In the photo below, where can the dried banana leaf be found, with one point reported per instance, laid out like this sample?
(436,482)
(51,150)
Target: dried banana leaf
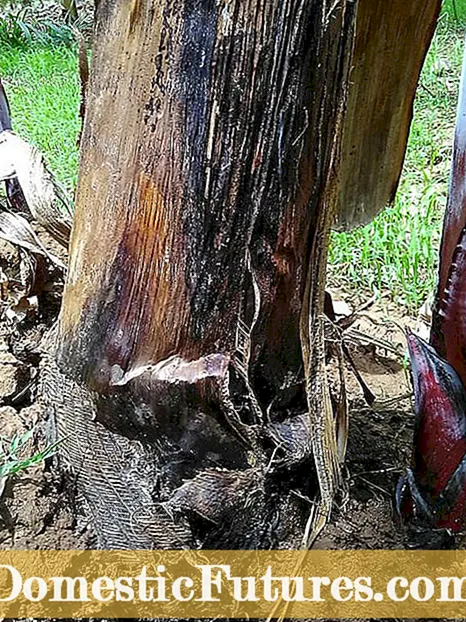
(46,199)
(18,231)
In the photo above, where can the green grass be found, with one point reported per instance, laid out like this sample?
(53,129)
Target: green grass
(455,10)
(42,84)
(397,253)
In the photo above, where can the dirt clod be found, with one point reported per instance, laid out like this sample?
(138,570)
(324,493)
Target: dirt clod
(11,423)
(13,375)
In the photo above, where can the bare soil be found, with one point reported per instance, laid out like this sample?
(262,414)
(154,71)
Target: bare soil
(34,509)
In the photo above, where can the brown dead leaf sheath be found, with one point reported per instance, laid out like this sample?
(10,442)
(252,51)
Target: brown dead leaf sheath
(206,149)
(390,47)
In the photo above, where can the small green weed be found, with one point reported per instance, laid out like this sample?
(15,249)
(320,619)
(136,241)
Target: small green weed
(13,457)
(20,25)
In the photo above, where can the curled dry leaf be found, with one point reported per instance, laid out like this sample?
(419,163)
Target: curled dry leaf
(46,199)
(7,168)
(25,307)
(13,189)
(18,231)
